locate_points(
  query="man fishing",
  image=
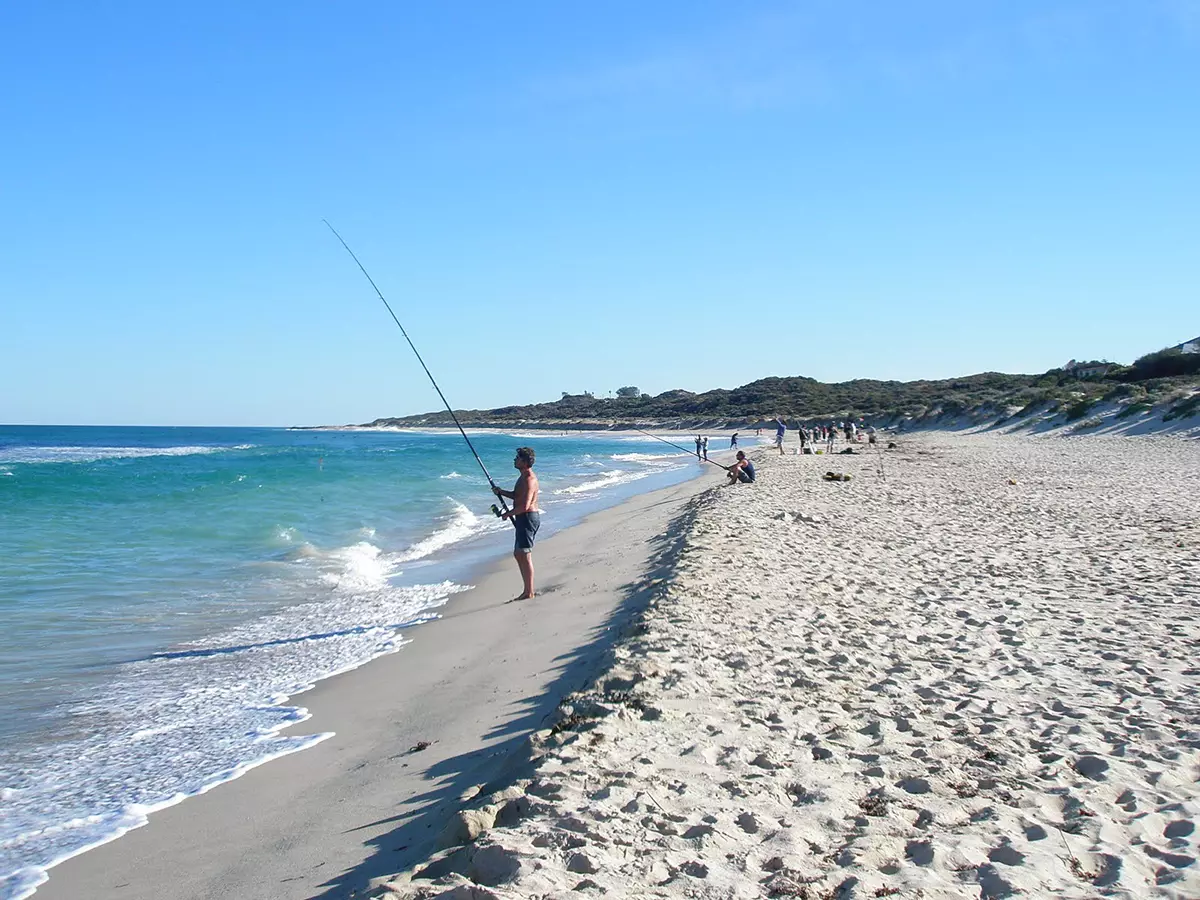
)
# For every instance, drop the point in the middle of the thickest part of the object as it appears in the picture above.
(741, 471)
(524, 514)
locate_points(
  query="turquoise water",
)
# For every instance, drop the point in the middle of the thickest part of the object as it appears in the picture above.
(165, 590)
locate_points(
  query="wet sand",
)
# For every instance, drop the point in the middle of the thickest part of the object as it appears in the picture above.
(322, 822)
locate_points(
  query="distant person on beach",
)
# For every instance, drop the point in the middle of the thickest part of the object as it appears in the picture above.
(742, 470)
(831, 436)
(780, 429)
(524, 514)
(803, 438)
(697, 446)
(704, 446)
(733, 441)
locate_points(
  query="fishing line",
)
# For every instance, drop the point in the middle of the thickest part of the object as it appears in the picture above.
(432, 381)
(684, 449)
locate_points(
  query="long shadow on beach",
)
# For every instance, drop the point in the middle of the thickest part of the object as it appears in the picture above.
(496, 766)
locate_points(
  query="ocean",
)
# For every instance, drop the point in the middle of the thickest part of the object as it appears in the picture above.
(165, 591)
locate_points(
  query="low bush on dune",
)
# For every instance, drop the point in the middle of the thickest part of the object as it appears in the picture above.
(1133, 409)
(1184, 410)
(1080, 408)
(1121, 391)
(1034, 400)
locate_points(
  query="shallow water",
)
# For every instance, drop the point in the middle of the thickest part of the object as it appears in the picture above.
(164, 590)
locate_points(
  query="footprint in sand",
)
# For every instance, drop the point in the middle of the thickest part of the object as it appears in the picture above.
(1006, 855)
(1092, 767)
(1178, 829)
(920, 852)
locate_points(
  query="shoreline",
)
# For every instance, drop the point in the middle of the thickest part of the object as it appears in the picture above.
(197, 842)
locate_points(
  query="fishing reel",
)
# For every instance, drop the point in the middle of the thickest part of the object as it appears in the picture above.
(496, 510)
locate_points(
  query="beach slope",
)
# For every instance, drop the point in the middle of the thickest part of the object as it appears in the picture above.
(414, 731)
(969, 671)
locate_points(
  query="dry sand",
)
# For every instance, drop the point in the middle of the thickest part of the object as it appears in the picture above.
(970, 671)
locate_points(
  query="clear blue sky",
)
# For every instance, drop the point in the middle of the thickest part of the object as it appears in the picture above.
(564, 197)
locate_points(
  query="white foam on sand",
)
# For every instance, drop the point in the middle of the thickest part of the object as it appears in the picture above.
(177, 723)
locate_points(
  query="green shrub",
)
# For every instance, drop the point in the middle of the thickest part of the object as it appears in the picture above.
(1080, 408)
(1133, 409)
(1184, 410)
(1124, 390)
(1033, 400)
(1167, 363)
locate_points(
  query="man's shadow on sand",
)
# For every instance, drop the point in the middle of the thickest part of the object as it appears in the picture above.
(413, 838)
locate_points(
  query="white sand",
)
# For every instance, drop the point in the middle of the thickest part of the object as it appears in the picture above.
(925, 682)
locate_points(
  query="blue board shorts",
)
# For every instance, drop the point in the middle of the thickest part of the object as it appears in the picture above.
(527, 525)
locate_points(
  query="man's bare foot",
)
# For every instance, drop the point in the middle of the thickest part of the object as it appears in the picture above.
(522, 597)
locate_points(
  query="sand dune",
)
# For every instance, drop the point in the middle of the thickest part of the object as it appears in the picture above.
(927, 681)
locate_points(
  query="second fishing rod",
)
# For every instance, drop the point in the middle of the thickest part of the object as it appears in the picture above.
(684, 449)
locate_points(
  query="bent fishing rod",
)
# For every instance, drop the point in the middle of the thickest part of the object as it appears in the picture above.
(684, 449)
(432, 381)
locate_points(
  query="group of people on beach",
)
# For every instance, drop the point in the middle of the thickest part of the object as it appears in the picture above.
(813, 436)
(526, 516)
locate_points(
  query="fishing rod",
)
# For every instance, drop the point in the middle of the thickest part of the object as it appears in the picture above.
(684, 449)
(432, 381)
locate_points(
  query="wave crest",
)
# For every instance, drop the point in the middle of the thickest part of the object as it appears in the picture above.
(93, 454)
(608, 479)
(462, 524)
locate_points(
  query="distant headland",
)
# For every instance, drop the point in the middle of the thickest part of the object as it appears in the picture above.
(1163, 386)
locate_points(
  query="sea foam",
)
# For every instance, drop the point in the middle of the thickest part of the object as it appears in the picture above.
(608, 479)
(461, 524)
(31, 454)
(179, 722)
(649, 458)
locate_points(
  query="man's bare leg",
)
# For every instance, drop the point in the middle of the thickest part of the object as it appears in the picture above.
(525, 564)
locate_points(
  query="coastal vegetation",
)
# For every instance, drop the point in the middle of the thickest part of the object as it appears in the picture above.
(1169, 378)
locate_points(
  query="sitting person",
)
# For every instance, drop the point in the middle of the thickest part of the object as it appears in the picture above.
(742, 470)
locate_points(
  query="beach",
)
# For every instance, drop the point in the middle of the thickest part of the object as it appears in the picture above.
(967, 671)
(166, 591)
(363, 803)
(970, 671)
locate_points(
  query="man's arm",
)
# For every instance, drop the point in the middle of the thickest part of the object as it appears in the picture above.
(500, 492)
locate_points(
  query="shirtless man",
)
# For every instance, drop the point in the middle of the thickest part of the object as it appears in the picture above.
(525, 515)
(742, 470)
